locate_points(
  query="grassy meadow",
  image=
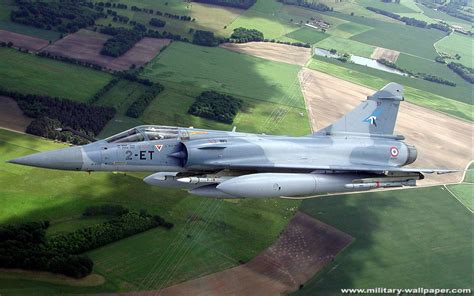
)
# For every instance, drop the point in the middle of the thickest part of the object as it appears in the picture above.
(435, 14)
(273, 101)
(461, 92)
(226, 71)
(403, 38)
(344, 45)
(307, 35)
(392, 7)
(207, 17)
(30, 74)
(121, 96)
(458, 44)
(209, 235)
(432, 247)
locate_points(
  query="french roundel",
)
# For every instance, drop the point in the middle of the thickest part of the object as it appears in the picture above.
(394, 151)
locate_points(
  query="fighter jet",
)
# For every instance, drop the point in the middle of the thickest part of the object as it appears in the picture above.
(358, 152)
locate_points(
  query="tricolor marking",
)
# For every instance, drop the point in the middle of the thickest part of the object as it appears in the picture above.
(394, 152)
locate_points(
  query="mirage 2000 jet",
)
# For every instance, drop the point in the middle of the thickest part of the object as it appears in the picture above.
(358, 152)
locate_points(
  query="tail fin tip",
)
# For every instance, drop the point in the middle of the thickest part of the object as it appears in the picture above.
(376, 115)
(391, 91)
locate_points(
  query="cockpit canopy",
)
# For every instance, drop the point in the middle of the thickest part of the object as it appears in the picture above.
(145, 133)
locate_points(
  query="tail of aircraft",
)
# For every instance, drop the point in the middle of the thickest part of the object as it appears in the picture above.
(377, 115)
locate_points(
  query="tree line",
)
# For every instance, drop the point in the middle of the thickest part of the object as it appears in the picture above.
(155, 22)
(453, 8)
(166, 14)
(25, 245)
(465, 72)
(243, 35)
(103, 90)
(95, 236)
(411, 21)
(50, 112)
(424, 76)
(122, 40)
(111, 5)
(141, 103)
(63, 16)
(231, 3)
(216, 106)
(308, 4)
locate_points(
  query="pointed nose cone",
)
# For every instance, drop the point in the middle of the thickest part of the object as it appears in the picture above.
(64, 159)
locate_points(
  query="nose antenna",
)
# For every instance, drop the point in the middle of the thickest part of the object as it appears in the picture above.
(77, 133)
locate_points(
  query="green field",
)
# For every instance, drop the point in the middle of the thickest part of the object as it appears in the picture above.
(461, 92)
(30, 74)
(343, 45)
(226, 71)
(171, 106)
(273, 101)
(207, 17)
(464, 192)
(376, 79)
(121, 96)
(469, 178)
(409, 39)
(307, 35)
(392, 7)
(458, 44)
(268, 24)
(435, 14)
(346, 30)
(209, 235)
(415, 238)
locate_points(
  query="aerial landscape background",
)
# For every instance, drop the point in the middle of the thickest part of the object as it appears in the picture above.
(105, 66)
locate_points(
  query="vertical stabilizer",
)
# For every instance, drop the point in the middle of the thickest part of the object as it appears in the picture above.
(376, 115)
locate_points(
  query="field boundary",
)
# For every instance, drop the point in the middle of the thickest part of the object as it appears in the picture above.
(91, 280)
(455, 196)
(305, 247)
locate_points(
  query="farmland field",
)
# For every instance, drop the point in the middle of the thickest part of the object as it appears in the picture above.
(307, 35)
(403, 38)
(458, 44)
(121, 96)
(30, 31)
(465, 194)
(271, 27)
(376, 79)
(434, 14)
(171, 106)
(209, 234)
(85, 45)
(349, 29)
(435, 236)
(392, 7)
(346, 46)
(22, 41)
(207, 17)
(30, 74)
(463, 89)
(226, 71)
